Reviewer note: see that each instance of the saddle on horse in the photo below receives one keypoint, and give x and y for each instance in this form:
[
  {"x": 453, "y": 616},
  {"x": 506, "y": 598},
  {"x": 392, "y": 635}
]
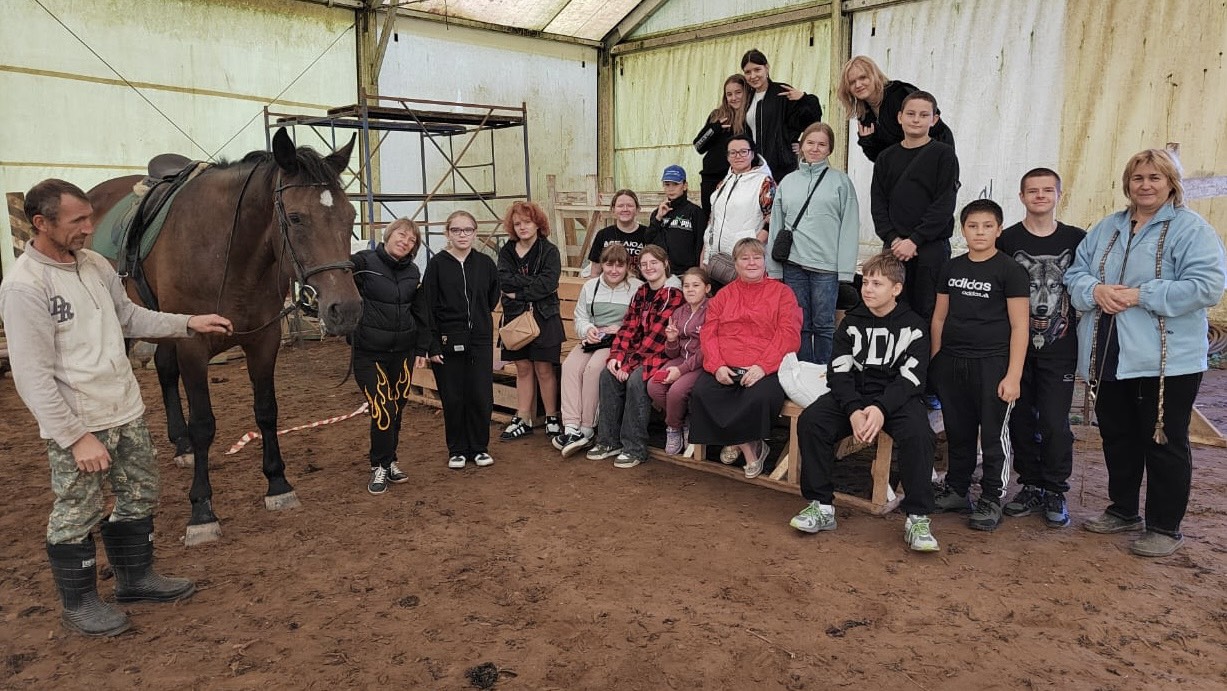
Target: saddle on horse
[{"x": 133, "y": 232}]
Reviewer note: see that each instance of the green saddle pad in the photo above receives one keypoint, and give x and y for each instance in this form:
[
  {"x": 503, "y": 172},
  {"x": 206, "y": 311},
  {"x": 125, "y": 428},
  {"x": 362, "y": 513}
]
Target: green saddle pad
[{"x": 109, "y": 233}]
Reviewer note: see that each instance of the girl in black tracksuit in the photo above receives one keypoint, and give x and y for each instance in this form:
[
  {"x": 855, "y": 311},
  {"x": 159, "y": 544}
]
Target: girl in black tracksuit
[
  {"x": 387, "y": 341},
  {"x": 461, "y": 289}
]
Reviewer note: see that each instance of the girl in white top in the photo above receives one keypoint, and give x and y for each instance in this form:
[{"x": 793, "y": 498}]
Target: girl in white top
[{"x": 599, "y": 311}]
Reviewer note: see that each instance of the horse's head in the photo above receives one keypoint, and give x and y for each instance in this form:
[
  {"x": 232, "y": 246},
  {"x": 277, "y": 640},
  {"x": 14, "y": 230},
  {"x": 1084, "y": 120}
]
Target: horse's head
[{"x": 317, "y": 219}]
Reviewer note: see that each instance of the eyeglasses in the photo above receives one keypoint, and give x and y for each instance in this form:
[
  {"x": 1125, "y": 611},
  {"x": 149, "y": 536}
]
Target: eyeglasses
[
  {"x": 738, "y": 153},
  {"x": 462, "y": 231}
]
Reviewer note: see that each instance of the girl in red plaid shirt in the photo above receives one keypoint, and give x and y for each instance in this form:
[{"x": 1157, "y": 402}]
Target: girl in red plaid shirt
[{"x": 638, "y": 351}]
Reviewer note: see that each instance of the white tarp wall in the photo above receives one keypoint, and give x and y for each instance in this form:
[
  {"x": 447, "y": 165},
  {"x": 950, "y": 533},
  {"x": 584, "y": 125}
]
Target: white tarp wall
[
  {"x": 556, "y": 80},
  {"x": 997, "y": 77},
  {"x": 209, "y": 66}
]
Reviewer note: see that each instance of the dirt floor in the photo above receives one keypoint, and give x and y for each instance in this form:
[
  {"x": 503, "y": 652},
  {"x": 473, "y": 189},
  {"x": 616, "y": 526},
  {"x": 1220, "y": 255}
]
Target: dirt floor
[{"x": 575, "y": 575}]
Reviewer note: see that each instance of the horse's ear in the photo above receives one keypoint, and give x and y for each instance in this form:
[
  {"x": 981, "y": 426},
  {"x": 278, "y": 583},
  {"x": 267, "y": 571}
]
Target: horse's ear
[
  {"x": 339, "y": 159},
  {"x": 284, "y": 152}
]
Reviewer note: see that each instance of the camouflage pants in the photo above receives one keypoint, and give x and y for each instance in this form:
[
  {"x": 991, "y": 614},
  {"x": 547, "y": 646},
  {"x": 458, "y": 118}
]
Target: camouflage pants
[{"x": 79, "y": 502}]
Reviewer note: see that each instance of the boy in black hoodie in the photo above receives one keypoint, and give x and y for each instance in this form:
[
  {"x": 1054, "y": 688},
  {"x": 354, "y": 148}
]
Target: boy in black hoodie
[{"x": 876, "y": 377}]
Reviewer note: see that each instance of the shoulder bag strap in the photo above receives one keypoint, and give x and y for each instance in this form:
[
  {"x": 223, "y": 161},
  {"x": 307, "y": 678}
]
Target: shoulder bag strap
[{"x": 797, "y": 219}]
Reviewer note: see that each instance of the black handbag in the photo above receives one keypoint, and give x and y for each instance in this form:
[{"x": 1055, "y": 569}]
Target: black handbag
[{"x": 782, "y": 247}]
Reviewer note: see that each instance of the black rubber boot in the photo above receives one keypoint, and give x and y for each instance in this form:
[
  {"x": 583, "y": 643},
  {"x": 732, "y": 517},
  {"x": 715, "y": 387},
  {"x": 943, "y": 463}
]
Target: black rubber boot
[
  {"x": 76, "y": 577},
  {"x": 129, "y": 546}
]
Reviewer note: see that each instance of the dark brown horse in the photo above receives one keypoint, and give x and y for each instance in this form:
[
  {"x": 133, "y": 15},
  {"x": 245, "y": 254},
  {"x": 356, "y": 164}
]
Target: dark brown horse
[{"x": 235, "y": 238}]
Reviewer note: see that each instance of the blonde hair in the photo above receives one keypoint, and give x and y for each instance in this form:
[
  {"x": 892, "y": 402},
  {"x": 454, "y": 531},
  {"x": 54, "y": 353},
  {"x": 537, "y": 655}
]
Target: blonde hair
[
  {"x": 749, "y": 245},
  {"x": 855, "y": 107},
  {"x": 736, "y": 118},
  {"x": 409, "y": 225},
  {"x": 1162, "y": 160}
]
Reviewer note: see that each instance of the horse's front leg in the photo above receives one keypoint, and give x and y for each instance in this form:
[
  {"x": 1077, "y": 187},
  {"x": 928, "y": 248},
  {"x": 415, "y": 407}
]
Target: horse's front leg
[
  {"x": 201, "y": 428},
  {"x": 167, "y": 361},
  {"x": 261, "y": 365}
]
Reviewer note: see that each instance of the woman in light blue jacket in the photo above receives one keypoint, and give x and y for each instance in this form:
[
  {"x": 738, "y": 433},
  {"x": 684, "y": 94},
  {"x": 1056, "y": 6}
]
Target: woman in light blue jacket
[
  {"x": 1142, "y": 281},
  {"x": 818, "y": 204}
]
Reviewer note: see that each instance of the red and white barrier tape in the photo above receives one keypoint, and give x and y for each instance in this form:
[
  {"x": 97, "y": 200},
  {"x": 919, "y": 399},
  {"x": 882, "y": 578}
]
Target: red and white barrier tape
[{"x": 256, "y": 435}]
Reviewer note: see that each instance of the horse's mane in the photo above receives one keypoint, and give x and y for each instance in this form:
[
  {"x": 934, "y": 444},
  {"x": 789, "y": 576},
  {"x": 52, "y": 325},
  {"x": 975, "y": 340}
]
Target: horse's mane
[{"x": 310, "y": 163}]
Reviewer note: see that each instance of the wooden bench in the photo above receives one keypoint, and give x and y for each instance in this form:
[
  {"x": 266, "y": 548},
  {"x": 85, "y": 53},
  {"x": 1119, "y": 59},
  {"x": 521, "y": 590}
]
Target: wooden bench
[{"x": 787, "y": 474}]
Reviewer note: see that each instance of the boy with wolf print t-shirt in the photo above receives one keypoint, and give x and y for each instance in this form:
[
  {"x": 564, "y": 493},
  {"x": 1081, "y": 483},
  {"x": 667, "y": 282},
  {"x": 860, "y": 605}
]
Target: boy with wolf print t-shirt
[
  {"x": 1039, "y": 428},
  {"x": 979, "y": 344}
]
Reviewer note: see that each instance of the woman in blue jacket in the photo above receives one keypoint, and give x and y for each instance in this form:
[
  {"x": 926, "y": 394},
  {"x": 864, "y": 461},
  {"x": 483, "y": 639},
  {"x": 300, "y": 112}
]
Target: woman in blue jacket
[
  {"x": 1144, "y": 279},
  {"x": 818, "y": 204}
]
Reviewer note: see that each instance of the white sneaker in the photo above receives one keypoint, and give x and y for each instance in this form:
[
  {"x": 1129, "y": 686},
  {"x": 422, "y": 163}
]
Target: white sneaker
[
  {"x": 456, "y": 462},
  {"x": 918, "y": 535},
  {"x": 483, "y": 459},
  {"x": 626, "y": 461},
  {"x": 729, "y": 454},
  {"x": 814, "y": 518}
]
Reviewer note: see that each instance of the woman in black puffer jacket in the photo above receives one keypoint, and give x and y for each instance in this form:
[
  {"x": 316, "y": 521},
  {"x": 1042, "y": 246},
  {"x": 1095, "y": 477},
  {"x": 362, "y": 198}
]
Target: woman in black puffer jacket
[{"x": 389, "y": 342}]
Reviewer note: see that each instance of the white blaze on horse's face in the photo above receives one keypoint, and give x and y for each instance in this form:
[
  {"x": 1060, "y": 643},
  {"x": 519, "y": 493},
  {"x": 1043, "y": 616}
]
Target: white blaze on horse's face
[{"x": 326, "y": 198}]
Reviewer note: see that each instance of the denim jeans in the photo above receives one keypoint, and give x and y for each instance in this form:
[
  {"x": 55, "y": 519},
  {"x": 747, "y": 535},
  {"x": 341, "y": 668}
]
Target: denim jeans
[
  {"x": 623, "y": 415},
  {"x": 816, "y": 293}
]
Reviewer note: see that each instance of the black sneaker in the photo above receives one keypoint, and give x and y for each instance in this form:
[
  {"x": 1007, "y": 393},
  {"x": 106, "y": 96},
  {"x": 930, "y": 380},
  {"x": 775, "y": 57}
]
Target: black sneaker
[
  {"x": 396, "y": 475},
  {"x": 553, "y": 426},
  {"x": 563, "y": 439},
  {"x": 379, "y": 480},
  {"x": 518, "y": 428},
  {"x": 1056, "y": 513},
  {"x": 1028, "y": 500},
  {"x": 949, "y": 501},
  {"x": 987, "y": 515}
]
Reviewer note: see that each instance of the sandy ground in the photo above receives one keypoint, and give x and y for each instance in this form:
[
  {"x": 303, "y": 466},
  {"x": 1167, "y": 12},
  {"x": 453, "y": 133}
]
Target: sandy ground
[{"x": 575, "y": 575}]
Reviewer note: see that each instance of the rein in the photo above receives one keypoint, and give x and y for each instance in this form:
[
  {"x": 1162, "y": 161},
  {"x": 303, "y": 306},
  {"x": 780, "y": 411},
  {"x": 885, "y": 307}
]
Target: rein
[{"x": 307, "y": 298}]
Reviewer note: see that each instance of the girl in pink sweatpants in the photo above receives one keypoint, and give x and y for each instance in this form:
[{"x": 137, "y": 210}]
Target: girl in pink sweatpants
[{"x": 670, "y": 388}]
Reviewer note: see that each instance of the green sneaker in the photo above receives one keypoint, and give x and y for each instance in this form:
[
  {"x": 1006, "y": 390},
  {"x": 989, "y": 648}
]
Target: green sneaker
[
  {"x": 919, "y": 536},
  {"x": 949, "y": 501},
  {"x": 1153, "y": 544},
  {"x": 814, "y": 518}
]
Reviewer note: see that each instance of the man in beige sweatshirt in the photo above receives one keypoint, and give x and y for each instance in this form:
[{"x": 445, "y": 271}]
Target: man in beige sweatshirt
[{"x": 66, "y": 315}]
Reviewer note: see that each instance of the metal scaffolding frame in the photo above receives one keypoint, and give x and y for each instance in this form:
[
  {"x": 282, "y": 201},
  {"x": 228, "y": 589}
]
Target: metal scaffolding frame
[{"x": 376, "y": 118}]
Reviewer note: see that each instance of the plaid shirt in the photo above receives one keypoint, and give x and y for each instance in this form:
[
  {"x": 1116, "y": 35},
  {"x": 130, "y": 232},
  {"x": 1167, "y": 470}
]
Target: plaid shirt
[{"x": 641, "y": 339}]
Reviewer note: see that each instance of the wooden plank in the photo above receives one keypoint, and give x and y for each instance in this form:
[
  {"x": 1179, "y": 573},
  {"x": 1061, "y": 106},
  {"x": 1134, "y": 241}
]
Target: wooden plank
[
  {"x": 1203, "y": 432},
  {"x": 717, "y": 468}
]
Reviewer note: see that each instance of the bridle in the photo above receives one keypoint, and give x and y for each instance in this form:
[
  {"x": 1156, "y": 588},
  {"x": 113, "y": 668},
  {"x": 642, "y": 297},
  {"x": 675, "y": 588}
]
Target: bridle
[{"x": 307, "y": 298}]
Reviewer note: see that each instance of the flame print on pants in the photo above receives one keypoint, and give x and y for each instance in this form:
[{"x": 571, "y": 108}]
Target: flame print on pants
[{"x": 386, "y": 399}]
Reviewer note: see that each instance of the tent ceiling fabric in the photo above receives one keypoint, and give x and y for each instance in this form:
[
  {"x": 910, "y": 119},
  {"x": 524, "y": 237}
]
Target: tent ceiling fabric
[{"x": 587, "y": 19}]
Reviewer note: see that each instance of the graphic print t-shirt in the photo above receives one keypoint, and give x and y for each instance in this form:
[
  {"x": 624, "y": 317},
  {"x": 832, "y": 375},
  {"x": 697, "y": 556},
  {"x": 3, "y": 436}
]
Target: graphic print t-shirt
[
  {"x": 977, "y": 323},
  {"x": 610, "y": 235},
  {"x": 1052, "y": 319}
]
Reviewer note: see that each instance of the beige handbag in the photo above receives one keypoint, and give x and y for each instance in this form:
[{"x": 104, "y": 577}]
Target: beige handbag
[{"x": 520, "y": 331}]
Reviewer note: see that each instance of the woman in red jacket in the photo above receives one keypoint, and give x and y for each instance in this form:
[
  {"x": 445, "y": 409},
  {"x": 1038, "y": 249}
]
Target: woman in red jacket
[{"x": 751, "y": 324}]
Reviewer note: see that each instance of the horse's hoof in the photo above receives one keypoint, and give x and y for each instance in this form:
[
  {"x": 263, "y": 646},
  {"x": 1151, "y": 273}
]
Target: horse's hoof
[
  {"x": 186, "y": 460},
  {"x": 200, "y": 534},
  {"x": 281, "y": 502}
]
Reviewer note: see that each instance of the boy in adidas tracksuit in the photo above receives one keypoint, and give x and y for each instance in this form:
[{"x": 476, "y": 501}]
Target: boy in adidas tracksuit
[
  {"x": 876, "y": 376},
  {"x": 979, "y": 342}
]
